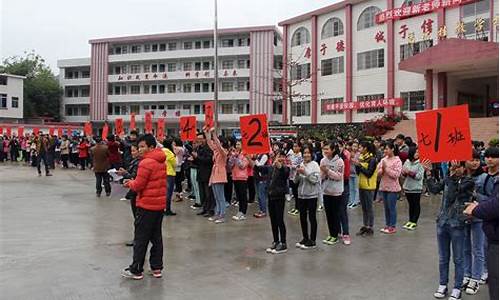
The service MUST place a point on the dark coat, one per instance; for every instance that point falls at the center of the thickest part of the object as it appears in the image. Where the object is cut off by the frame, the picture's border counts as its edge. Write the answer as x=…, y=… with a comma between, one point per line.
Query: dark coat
x=204, y=162
x=100, y=156
x=487, y=210
x=279, y=182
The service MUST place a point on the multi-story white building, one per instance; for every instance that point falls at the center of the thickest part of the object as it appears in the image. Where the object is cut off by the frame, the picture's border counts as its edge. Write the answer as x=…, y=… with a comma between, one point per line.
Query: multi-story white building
x=343, y=58
x=172, y=75
x=11, y=97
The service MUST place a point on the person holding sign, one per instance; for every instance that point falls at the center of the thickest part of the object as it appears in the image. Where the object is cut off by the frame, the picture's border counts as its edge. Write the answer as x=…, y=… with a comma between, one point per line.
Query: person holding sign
x=389, y=170
x=451, y=224
x=332, y=173
x=238, y=164
x=218, y=177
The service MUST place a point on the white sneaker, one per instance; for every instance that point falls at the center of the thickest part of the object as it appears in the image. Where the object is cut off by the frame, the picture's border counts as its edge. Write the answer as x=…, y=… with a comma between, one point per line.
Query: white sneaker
x=219, y=221
x=123, y=199
x=472, y=287
x=212, y=219
x=456, y=294
x=484, y=278
x=237, y=216
x=320, y=208
x=441, y=292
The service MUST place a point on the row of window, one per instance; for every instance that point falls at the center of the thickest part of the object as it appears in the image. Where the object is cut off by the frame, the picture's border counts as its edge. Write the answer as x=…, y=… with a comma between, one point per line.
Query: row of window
x=205, y=87
x=172, y=46
x=14, y=102
x=185, y=66
x=75, y=74
x=77, y=110
x=196, y=109
x=72, y=92
x=412, y=101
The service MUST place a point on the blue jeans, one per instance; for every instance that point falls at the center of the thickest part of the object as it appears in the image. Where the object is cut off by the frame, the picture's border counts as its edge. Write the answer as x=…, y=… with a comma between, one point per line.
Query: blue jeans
x=262, y=187
x=220, y=199
x=194, y=184
x=353, y=189
x=474, y=250
x=391, y=213
x=447, y=235
x=170, y=191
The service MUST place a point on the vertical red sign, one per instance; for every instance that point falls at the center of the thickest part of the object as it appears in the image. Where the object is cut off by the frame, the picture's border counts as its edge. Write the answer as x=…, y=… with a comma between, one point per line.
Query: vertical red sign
x=188, y=128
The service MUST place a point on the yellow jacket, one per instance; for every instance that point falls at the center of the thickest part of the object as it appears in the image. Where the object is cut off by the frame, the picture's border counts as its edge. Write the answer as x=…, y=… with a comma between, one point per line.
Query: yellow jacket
x=367, y=172
x=170, y=162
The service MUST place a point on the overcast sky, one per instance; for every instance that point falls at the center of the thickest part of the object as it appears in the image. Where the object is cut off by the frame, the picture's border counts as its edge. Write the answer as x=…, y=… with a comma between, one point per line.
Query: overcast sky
x=59, y=29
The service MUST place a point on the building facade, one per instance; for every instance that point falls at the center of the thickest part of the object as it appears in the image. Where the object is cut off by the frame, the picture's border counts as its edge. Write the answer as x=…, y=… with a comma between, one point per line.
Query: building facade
x=172, y=75
x=11, y=97
x=358, y=59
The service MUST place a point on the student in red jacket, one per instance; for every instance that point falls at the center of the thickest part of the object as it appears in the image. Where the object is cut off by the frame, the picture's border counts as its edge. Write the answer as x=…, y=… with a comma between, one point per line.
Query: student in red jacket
x=83, y=152
x=150, y=184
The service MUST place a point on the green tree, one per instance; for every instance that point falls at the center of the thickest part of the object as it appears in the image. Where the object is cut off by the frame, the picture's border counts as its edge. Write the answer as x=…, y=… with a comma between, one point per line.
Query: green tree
x=42, y=92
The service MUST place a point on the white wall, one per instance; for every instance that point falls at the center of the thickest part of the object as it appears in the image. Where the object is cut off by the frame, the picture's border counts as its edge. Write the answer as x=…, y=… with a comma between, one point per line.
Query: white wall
x=14, y=88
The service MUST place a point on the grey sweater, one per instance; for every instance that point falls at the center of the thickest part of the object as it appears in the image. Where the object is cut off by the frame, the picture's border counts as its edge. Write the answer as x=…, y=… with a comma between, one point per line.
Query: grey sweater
x=414, y=180
x=333, y=179
x=309, y=185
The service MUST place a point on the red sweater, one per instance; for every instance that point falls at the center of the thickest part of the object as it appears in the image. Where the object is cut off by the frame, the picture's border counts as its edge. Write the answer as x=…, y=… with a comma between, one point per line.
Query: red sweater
x=114, y=154
x=83, y=150
x=151, y=181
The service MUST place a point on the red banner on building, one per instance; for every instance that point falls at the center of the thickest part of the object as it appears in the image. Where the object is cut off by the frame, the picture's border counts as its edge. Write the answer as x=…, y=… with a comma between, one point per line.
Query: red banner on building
x=160, y=130
x=51, y=131
x=417, y=9
x=255, y=134
x=209, y=114
x=444, y=134
x=20, y=131
x=119, y=127
x=132, y=121
x=341, y=106
x=148, y=122
x=188, y=128
x=105, y=131
x=87, y=129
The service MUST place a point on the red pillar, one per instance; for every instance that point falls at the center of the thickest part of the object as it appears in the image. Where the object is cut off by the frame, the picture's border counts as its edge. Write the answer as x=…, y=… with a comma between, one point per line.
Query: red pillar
x=428, y=89
x=284, y=76
x=314, y=70
x=390, y=57
x=442, y=89
x=348, y=58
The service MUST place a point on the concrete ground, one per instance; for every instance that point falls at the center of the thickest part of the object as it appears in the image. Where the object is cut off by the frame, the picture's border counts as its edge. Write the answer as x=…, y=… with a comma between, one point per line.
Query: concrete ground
x=58, y=241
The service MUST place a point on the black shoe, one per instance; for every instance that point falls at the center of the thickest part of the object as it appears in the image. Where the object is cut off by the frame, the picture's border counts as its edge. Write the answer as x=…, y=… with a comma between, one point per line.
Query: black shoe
x=98, y=194
x=48, y=174
x=129, y=244
x=273, y=246
x=39, y=174
x=362, y=231
x=280, y=248
x=208, y=215
x=369, y=231
x=308, y=245
x=301, y=243
x=108, y=194
x=202, y=213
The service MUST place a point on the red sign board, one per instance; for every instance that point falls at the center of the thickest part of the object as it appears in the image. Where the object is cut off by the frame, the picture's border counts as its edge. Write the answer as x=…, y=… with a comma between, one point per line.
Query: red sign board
x=209, y=114
x=363, y=104
x=119, y=127
x=105, y=130
x=132, y=121
x=188, y=128
x=87, y=129
x=51, y=131
x=148, y=122
x=160, y=130
x=444, y=134
x=59, y=132
x=20, y=131
x=36, y=130
x=255, y=134
x=417, y=9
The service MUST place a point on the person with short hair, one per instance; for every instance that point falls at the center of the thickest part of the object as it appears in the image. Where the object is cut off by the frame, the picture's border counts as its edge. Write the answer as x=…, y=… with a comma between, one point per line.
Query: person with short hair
x=150, y=185
x=100, y=157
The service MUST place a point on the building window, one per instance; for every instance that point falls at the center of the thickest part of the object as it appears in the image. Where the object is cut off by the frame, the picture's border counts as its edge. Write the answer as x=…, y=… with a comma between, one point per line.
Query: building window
x=370, y=98
x=277, y=86
x=171, y=88
x=197, y=88
x=227, y=43
x=117, y=110
x=413, y=101
x=135, y=49
x=197, y=109
x=134, y=108
x=153, y=107
x=408, y=50
x=154, y=47
x=242, y=64
x=197, y=45
x=146, y=68
x=145, y=107
x=227, y=64
x=470, y=30
x=367, y=17
x=371, y=59
x=134, y=69
x=146, y=89
x=161, y=107
x=301, y=36
x=241, y=108
x=227, y=86
x=161, y=89
x=3, y=99
x=302, y=71
x=172, y=46
x=187, y=107
x=226, y=109
x=161, y=67
x=147, y=48
x=188, y=45
x=412, y=2
x=154, y=89
x=85, y=92
x=135, y=89
x=171, y=106
x=187, y=66
x=3, y=80
x=242, y=86
x=242, y=42
x=206, y=65
x=278, y=107
x=206, y=44
x=301, y=109
x=84, y=110
x=85, y=74
x=333, y=27
x=118, y=90
x=186, y=87
x=172, y=67
x=328, y=101
x=476, y=8
x=163, y=47
x=206, y=87
x=332, y=66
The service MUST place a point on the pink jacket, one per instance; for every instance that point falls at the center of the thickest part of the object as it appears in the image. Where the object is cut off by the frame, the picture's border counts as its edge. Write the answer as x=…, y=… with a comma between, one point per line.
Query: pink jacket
x=218, y=174
x=390, y=178
x=238, y=164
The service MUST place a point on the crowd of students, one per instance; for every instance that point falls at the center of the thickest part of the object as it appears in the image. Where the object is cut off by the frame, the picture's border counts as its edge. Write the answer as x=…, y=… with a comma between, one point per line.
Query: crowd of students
x=331, y=176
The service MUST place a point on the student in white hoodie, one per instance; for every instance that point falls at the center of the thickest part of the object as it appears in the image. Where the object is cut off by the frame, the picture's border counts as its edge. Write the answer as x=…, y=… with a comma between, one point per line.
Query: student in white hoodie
x=332, y=172
x=308, y=180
